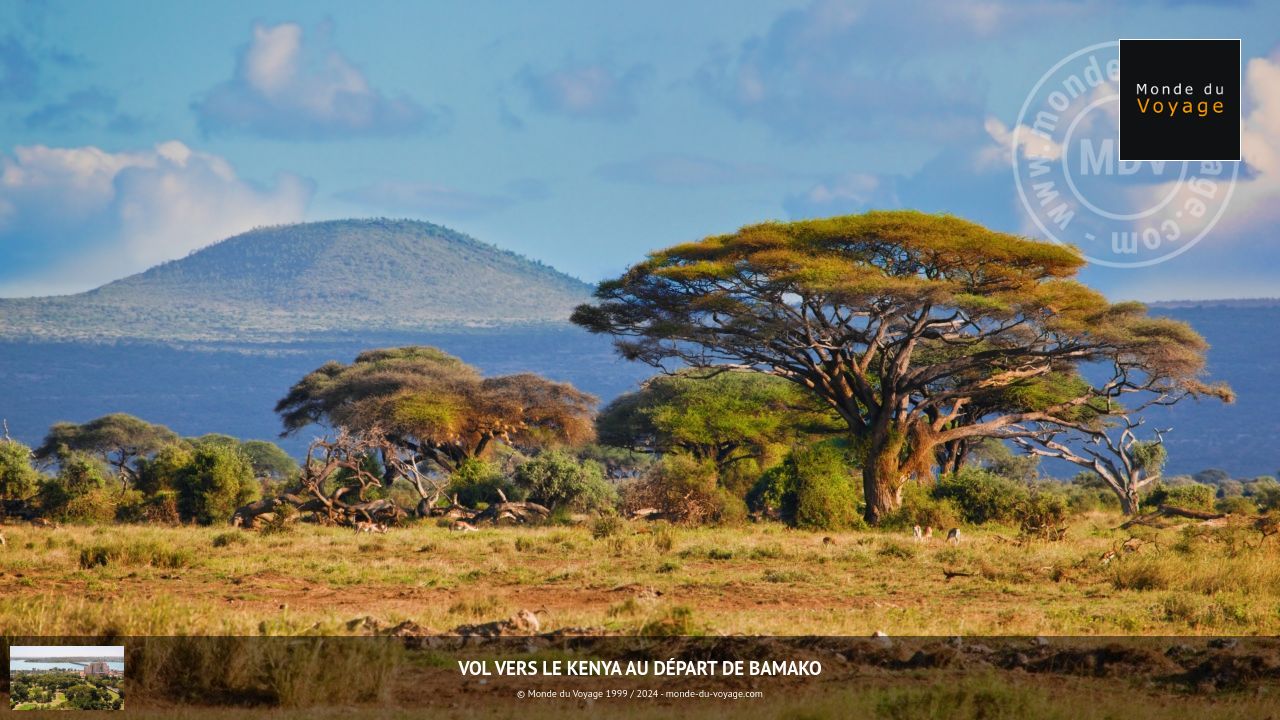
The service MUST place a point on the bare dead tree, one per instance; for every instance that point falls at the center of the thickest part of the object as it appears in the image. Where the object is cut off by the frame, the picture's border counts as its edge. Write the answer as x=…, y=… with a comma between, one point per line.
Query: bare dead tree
x=1124, y=462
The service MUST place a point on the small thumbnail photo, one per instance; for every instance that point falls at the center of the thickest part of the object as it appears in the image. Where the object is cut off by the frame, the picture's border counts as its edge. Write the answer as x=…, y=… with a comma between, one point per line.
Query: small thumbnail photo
x=66, y=677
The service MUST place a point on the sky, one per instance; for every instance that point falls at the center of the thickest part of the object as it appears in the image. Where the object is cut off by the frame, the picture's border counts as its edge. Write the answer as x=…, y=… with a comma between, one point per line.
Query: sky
x=583, y=134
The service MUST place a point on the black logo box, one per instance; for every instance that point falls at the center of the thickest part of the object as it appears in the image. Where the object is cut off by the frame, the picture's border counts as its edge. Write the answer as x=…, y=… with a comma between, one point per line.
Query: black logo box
x=1185, y=64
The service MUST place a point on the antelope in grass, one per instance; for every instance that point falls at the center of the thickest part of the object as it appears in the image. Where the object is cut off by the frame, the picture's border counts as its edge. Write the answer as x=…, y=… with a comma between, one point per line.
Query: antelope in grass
x=953, y=536
x=369, y=527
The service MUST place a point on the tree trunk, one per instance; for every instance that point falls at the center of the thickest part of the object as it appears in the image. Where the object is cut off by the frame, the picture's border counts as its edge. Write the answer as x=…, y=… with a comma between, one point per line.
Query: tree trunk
x=1129, y=501
x=882, y=476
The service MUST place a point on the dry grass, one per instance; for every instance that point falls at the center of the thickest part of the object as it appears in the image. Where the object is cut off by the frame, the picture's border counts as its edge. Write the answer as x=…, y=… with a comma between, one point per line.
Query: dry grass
x=758, y=579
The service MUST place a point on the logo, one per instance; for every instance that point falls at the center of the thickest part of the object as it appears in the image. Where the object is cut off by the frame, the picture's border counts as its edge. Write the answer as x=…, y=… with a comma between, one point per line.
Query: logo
x=1077, y=190
x=1180, y=100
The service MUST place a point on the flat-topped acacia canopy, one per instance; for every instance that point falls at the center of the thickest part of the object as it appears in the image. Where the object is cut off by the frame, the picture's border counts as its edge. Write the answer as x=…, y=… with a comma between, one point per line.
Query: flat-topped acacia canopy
x=922, y=331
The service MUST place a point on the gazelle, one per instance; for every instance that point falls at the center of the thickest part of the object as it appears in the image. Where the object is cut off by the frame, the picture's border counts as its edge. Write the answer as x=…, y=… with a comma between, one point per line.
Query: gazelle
x=953, y=536
x=368, y=527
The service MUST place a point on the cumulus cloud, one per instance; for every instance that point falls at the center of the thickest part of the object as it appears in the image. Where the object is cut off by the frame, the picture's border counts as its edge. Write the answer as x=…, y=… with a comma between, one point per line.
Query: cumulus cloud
x=74, y=218
x=843, y=194
x=289, y=87
x=592, y=91
x=841, y=68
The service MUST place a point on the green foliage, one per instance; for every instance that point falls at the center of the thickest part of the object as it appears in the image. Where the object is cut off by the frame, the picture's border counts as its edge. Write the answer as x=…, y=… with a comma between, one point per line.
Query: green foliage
x=980, y=495
x=1236, y=505
x=292, y=281
x=118, y=438
x=813, y=488
x=431, y=403
x=477, y=481
x=18, y=479
x=1266, y=495
x=1042, y=514
x=218, y=480
x=270, y=460
x=684, y=490
x=555, y=478
x=729, y=419
x=995, y=455
x=607, y=526
x=78, y=493
x=920, y=507
x=160, y=472
x=1192, y=496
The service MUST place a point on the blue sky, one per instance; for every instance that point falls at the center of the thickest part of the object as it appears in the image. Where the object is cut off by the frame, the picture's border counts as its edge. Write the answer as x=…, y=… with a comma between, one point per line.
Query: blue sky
x=579, y=133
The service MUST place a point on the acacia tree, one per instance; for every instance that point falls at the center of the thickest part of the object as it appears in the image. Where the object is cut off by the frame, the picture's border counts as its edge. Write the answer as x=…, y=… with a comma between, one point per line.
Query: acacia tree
x=119, y=439
x=435, y=410
x=724, y=418
x=902, y=322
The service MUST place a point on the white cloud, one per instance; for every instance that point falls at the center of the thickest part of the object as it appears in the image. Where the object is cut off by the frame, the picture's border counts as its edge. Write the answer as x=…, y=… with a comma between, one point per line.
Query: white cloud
x=74, y=218
x=585, y=90
x=285, y=87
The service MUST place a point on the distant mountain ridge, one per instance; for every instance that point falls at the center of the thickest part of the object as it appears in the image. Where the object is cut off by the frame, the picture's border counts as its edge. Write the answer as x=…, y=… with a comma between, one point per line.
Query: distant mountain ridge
x=293, y=280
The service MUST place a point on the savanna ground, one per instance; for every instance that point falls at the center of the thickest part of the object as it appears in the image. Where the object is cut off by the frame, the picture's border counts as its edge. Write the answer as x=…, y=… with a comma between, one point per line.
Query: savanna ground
x=631, y=579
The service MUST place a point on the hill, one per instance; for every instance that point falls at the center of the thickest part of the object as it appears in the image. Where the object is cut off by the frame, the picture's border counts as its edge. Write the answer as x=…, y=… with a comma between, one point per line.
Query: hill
x=291, y=281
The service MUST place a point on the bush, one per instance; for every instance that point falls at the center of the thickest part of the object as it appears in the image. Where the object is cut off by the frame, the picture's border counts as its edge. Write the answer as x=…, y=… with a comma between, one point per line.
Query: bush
x=18, y=480
x=218, y=480
x=160, y=473
x=813, y=488
x=1042, y=514
x=78, y=493
x=981, y=496
x=1266, y=495
x=136, y=552
x=557, y=479
x=607, y=526
x=677, y=486
x=1192, y=496
x=920, y=507
x=476, y=481
x=93, y=507
x=1236, y=505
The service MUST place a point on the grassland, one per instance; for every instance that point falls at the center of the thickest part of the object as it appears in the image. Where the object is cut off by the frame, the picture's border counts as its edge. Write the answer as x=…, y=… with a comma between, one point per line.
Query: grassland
x=757, y=579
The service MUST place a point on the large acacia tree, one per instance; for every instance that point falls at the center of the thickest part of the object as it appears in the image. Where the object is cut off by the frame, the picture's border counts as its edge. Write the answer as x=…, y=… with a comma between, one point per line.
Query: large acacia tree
x=119, y=439
x=920, y=331
x=434, y=410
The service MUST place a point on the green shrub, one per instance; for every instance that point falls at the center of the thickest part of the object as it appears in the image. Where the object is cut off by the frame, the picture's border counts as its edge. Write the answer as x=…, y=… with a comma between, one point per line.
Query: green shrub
x=93, y=507
x=1042, y=514
x=227, y=539
x=162, y=508
x=18, y=480
x=135, y=552
x=1236, y=505
x=160, y=473
x=981, y=496
x=218, y=480
x=728, y=508
x=814, y=488
x=476, y=481
x=607, y=526
x=679, y=487
x=1192, y=496
x=557, y=479
x=920, y=507
x=79, y=492
x=1266, y=495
